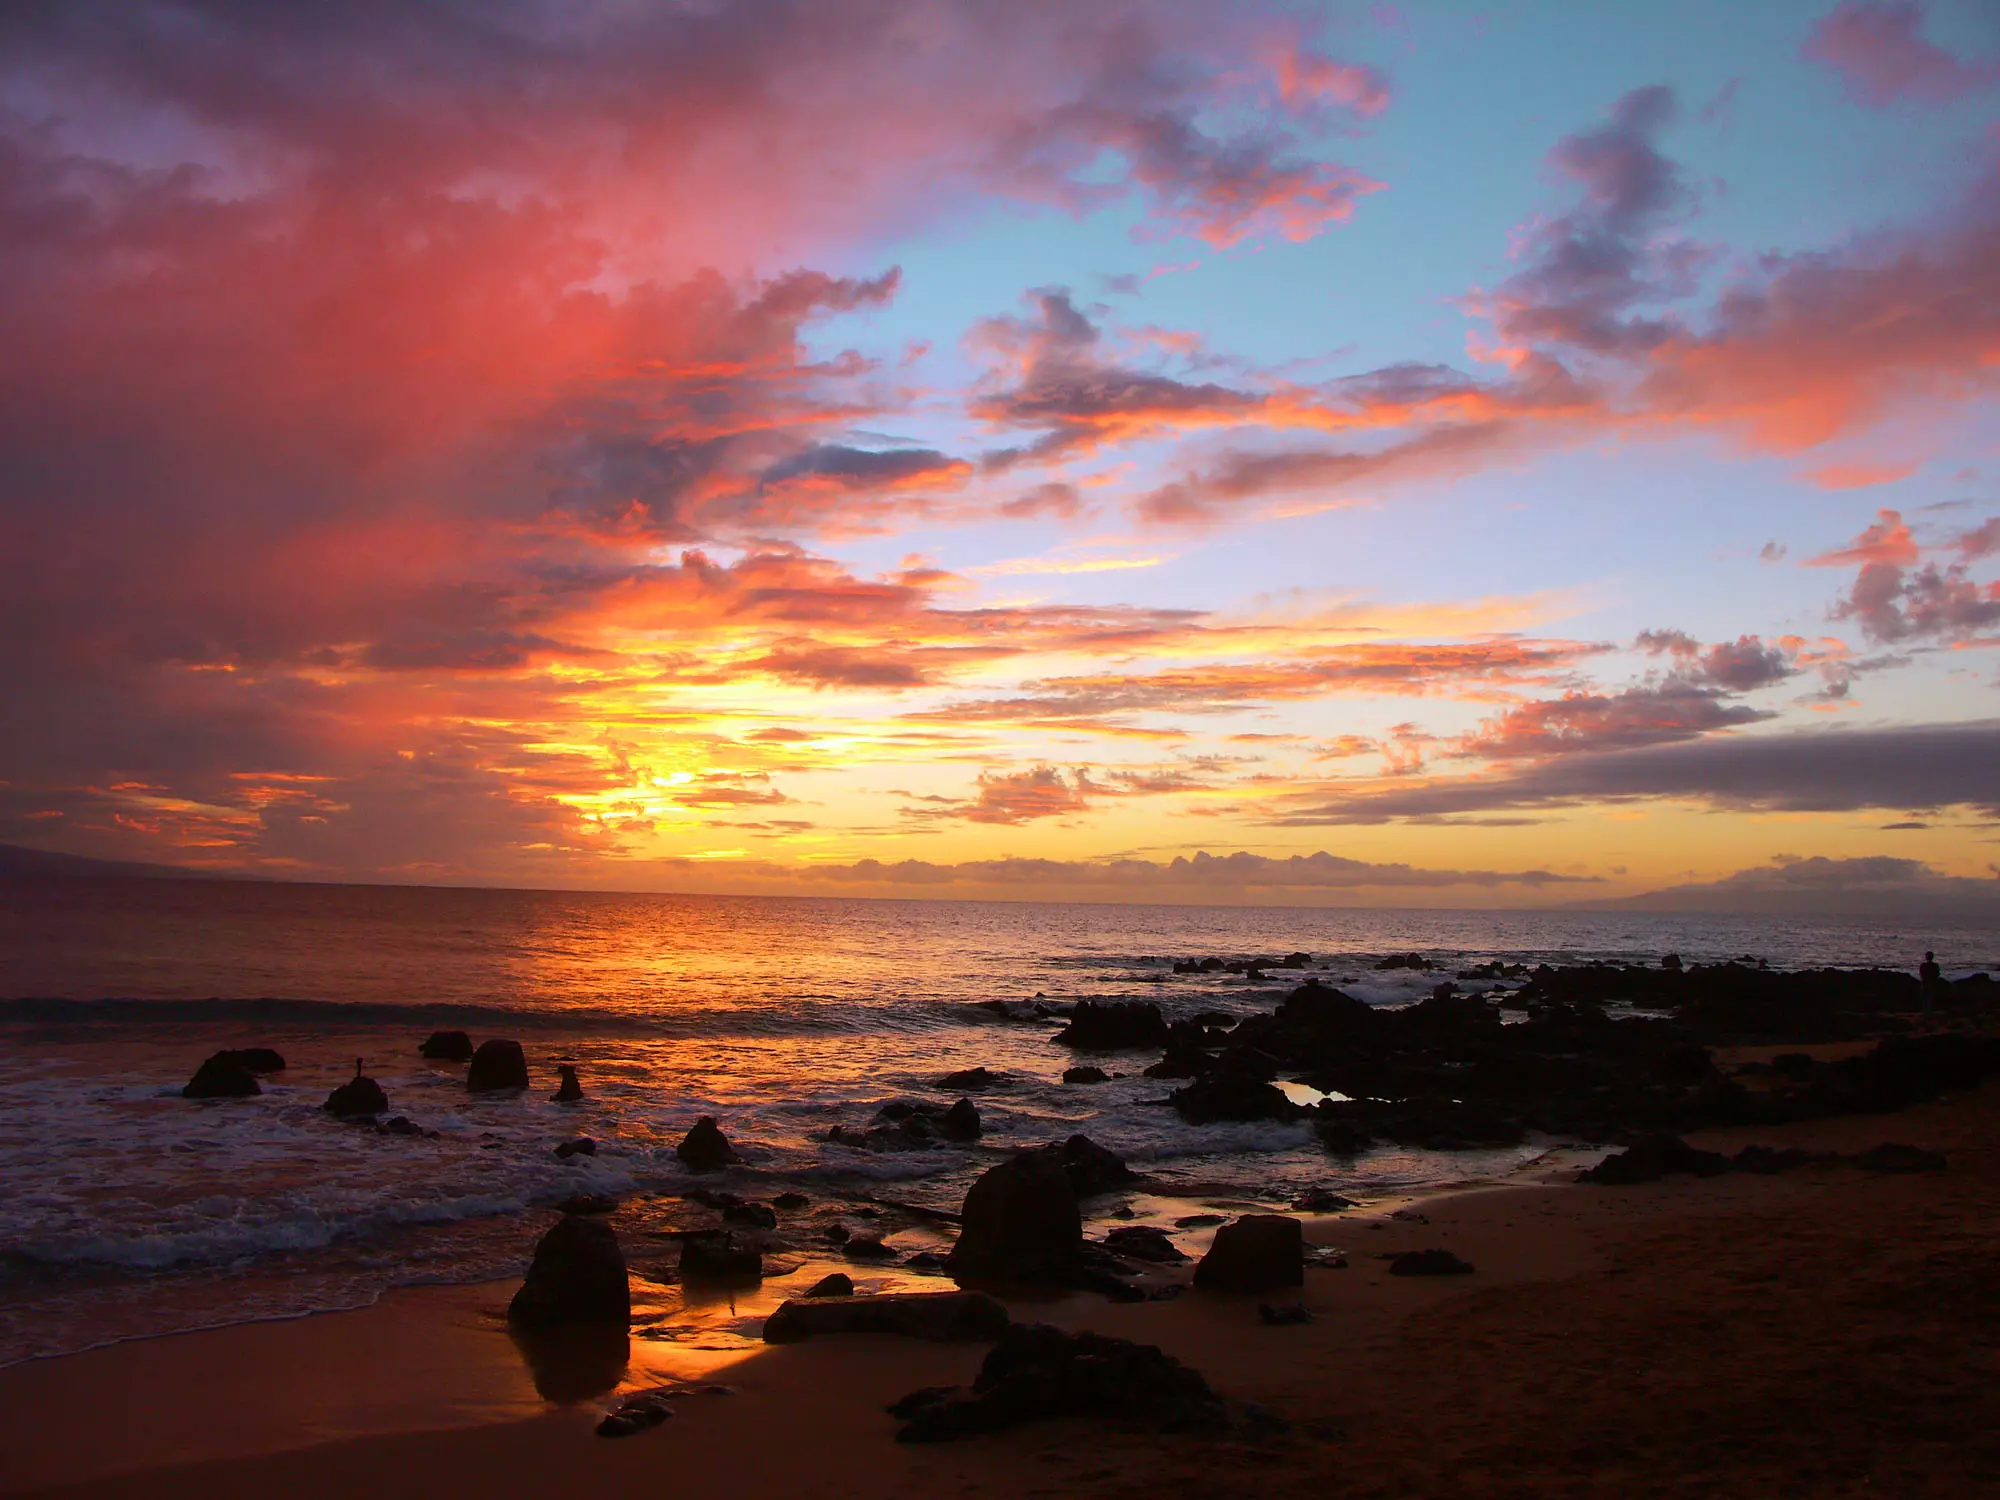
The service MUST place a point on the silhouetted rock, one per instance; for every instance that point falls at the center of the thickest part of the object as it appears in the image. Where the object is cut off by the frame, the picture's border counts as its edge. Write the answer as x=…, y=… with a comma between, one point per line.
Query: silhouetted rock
x=583, y=1145
x=1321, y=1200
x=867, y=1247
x=939, y=1316
x=638, y=1412
x=1893, y=1157
x=961, y=1122
x=790, y=1202
x=1085, y=1074
x=1228, y=1095
x=221, y=1080
x=1036, y=1372
x=713, y=1257
x=577, y=1276
x=570, y=1090
x=1281, y=1314
x=1651, y=1159
x=1020, y=1223
x=1143, y=1242
x=1405, y=961
x=1114, y=1026
x=252, y=1059
x=1428, y=1263
x=704, y=1148
x=587, y=1203
x=1256, y=1252
x=447, y=1046
x=751, y=1215
x=972, y=1081
x=357, y=1097
x=839, y=1284
x=498, y=1064
x=1091, y=1168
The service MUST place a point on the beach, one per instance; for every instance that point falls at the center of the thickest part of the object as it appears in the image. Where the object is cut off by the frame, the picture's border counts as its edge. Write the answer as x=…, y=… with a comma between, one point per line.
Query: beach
x=1823, y=1332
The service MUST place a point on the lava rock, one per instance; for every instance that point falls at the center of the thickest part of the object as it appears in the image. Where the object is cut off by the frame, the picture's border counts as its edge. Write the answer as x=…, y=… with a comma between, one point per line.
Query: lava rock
x=577, y=1276
x=1020, y=1223
x=497, y=1065
x=712, y=1257
x=447, y=1046
x=216, y=1079
x=1428, y=1263
x=839, y=1284
x=1036, y=1372
x=1113, y=1026
x=944, y=1317
x=705, y=1148
x=1256, y=1252
x=583, y=1145
x=1085, y=1074
x=1143, y=1242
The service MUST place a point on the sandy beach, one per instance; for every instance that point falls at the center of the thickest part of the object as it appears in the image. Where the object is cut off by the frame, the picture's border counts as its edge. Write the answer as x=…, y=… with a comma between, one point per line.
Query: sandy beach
x=1825, y=1332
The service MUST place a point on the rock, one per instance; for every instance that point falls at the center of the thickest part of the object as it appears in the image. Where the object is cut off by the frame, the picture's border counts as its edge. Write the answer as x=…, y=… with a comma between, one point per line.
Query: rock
x=1143, y=1242
x=577, y=1276
x=570, y=1090
x=400, y=1125
x=357, y=1097
x=923, y=1260
x=1114, y=1026
x=1428, y=1263
x=1091, y=1168
x=838, y=1234
x=1036, y=1372
x=497, y=1064
x=221, y=1080
x=705, y=1148
x=713, y=1258
x=583, y=1145
x=1256, y=1252
x=1321, y=1201
x=1231, y=1095
x=972, y=1081
x=1769, y=1161
x=1199, y=1221
x=1085, y=1075
x=791, y=1202
x=1020, y=1223
x=1892, y=1157
x=447, y=1046
x=1651, y=1159
x=1295, y=961
x=638, y=1412
x=752, y=1215
x=961, y=1122
x=1404, y=961
x=839, y=1284
x=867, y=1247
x=252, y=1059
x=944, y=1317
x=1281, y=1314
x=587, y=1203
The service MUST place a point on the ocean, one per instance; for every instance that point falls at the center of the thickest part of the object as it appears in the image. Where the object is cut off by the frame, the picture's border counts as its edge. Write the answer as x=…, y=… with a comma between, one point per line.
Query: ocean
x=127, y=1211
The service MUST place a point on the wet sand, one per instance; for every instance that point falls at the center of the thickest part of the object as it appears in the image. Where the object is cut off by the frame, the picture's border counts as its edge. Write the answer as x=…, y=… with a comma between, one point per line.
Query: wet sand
x=1829, y=1332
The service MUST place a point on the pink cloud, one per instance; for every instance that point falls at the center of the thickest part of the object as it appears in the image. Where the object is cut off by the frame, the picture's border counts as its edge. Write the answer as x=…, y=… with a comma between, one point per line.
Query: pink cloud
x=1878, y=49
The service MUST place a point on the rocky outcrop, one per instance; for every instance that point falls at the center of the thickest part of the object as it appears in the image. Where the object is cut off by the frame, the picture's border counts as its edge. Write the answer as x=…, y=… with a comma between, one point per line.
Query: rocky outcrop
x=1143, y=1242
x=577, y=1276
x=1253, y=1254
x=252, y=1059
x=938, y=1316
x=357, y=1098
x=750, y=1215
x=1092, y=1169
x=839, y=1284
x=569, y=1091
x=1651, y=1159
x=1114, y=1026
x=219, y=1079
x=447, y=1046
x=498, y=1064
x=705, y=1148
x=1021, y=1223
x=1036, y=1372
x=1085, y=1074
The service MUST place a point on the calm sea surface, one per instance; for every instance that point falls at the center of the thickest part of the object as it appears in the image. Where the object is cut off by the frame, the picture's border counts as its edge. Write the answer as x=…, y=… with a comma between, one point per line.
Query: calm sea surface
x=126, y=1210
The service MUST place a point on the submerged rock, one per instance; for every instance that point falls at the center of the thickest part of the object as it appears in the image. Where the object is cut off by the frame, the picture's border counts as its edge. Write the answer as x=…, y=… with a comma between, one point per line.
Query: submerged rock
x=1256, y=1252
x=498, y=1064
x=1036, y=1372
x=447, y=1046
x=939, y=1316
x=638, y=1412
x=705, y=1148
x=216, y=1079
x=1021, y=1223
x=577, y=1276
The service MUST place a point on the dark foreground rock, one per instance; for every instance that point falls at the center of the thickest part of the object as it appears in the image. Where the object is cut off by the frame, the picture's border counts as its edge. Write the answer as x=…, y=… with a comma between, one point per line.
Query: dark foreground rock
x=1428, y=1263
x=498, y=1064
x=939, y=1316
x=1092, y=1169
x=357, y=1098
x=577, y=1276
x=1114, y=1026
x=1021, y=1223
x=217, y=1079
x=1036, y=1372
x=447, y=1046
x=839, y=1284
x=705, y=1148
x=1254, y=1254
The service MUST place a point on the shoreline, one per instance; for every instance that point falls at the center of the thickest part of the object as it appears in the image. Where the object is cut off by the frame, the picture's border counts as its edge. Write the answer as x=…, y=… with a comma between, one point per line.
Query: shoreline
x=425, y=1394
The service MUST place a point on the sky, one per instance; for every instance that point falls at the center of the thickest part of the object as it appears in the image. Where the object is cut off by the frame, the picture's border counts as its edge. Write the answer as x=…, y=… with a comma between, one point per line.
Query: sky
x=1417, y=454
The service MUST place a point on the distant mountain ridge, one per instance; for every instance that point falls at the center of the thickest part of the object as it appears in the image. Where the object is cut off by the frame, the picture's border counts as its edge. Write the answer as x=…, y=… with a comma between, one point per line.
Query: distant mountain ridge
x=17, y=860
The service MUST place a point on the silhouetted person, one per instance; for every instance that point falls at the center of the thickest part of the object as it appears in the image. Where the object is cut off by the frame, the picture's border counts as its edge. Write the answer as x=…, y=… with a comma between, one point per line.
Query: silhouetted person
x=1930, y=979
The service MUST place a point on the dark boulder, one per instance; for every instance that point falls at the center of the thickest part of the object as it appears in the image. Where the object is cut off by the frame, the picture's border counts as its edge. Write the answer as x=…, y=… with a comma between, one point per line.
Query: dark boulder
x=750, y=1215
x=1020, y=1223
x=945, y=1317
x=638, y=1412
x=1651, y=1159
x=1227, y=1094
x=1113, y=1026
x=839, y=1284
x=577, y=1276
x=1085, y=1074
x=867, y=1247
x=447, y=1046
x=960, y=1122
x=357, y=1097
x=972, y=1081
x=1321, y=1200
x=790, y=1202
x=705, y=1148
x=570, y=1090
x=221, y=1080
x=1143, y=1242
x=712, y=1257
x=252, y=1059
x=1428, y=1263
x=497, y=1065
x=1091, y=1168
x=1036, y=1372
x=583, y=1145
x=1256, y=1252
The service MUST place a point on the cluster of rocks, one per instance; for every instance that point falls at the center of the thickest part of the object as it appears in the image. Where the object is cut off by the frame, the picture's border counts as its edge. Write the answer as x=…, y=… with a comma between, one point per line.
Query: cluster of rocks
x=912, y=1125
x=1655, y=1157
x=232, y=1073
x=1247, y=966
